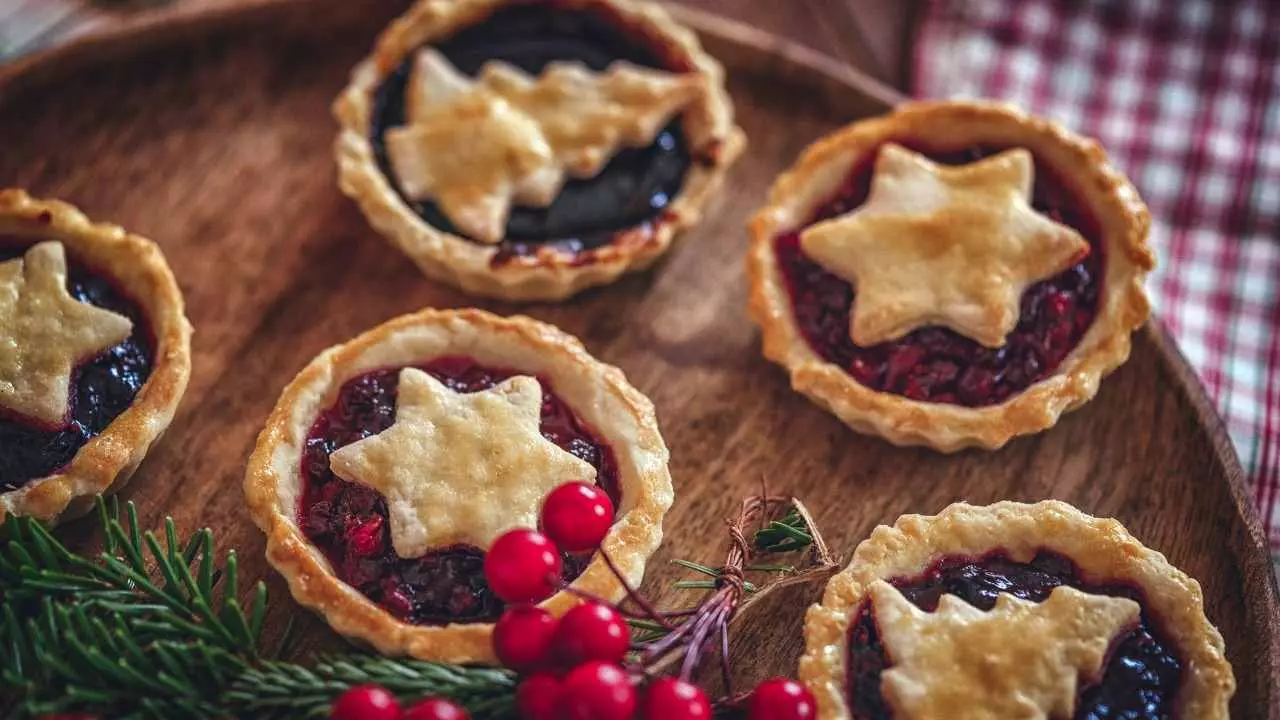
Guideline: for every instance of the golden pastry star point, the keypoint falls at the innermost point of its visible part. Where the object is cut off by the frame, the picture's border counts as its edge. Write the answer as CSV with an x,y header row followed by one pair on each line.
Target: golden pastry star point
x,y
943,245
460,468
45,333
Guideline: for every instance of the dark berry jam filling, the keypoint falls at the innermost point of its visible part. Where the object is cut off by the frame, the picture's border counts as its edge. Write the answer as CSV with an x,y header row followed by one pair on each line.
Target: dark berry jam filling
x,y
101,388
1141,677
348,522
631,191
936,364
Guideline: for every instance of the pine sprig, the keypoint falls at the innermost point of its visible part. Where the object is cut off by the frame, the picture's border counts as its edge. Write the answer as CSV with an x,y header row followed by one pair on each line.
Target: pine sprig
x,y
276,689
170,602
156,629
142,630
75,661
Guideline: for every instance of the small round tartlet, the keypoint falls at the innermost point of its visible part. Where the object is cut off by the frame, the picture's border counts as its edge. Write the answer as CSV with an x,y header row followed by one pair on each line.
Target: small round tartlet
x,y
618,213
121,397
340,547
1045,340
990,570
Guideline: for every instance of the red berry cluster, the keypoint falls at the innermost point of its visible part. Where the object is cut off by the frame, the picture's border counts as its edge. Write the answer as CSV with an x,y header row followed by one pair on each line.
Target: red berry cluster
x,y
573,666
370,702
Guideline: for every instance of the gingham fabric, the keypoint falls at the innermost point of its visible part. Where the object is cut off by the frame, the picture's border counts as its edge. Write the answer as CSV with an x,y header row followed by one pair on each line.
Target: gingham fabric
x,y
1185,97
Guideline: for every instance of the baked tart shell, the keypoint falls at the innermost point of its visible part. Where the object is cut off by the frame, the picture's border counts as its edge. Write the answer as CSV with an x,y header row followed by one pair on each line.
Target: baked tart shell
x,y
1102,549
549,274
136,265
599,394
1123,220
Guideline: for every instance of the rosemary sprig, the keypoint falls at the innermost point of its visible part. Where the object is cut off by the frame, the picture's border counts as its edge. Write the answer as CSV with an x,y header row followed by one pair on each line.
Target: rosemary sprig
x,y
711,572
788,534
154,628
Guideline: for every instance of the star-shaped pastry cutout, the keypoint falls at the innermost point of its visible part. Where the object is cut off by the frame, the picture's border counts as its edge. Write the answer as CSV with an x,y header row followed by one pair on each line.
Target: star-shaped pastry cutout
x,y
1019,660
477,146
45,333
460,468
943,245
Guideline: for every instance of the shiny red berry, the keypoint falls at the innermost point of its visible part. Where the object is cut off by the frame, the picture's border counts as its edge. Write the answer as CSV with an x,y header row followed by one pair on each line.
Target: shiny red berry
x,y
781,699
522,567
597,691
365,702
671,698
538,697
522,637
577,516
591,631
435,709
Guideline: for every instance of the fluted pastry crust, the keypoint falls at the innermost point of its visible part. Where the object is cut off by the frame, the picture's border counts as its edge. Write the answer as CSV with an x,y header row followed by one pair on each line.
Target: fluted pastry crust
x,y
1101,548
1123,305
107,461
549,274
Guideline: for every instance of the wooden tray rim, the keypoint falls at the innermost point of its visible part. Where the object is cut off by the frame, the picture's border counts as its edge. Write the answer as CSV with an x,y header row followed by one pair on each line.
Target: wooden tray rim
x,y
766,53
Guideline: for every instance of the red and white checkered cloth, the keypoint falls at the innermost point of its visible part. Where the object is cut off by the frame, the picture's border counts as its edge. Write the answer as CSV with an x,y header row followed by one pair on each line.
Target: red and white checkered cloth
x,y
1185,97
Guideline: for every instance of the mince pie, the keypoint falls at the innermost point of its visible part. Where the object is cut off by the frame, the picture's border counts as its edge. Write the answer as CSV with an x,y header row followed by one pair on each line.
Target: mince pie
x,y
528,149
952,274
94,356
393,461
1012,611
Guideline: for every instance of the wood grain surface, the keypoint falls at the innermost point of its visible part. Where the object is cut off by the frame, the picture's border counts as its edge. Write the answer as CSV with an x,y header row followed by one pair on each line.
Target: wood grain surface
x,y
212,135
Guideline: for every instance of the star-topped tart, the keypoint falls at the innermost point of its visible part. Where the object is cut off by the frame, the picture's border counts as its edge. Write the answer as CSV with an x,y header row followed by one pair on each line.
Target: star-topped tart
x,y
943,245
1012,611
94,356
45,333
460,468
394,461
477,146
1018,660
956,294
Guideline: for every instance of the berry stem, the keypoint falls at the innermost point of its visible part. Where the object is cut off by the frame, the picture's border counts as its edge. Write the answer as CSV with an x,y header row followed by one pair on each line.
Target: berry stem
x,y
643,614
650,612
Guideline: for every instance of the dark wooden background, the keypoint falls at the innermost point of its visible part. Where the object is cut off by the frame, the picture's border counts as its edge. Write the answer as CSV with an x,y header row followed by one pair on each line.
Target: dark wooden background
x,y
214,139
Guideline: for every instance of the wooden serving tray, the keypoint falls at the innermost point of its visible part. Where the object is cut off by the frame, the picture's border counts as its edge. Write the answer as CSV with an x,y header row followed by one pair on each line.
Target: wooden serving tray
x,y
210,132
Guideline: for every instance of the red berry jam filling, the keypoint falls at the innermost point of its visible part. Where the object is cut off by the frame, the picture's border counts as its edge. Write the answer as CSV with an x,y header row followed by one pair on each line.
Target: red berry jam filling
x,y
936,364
636,185
1141,677
348,522
101,388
